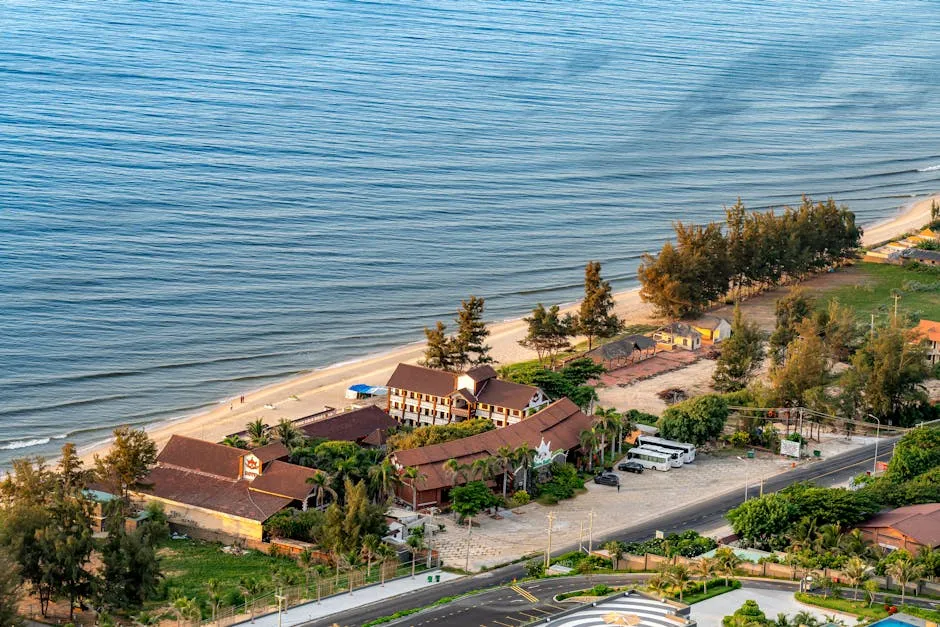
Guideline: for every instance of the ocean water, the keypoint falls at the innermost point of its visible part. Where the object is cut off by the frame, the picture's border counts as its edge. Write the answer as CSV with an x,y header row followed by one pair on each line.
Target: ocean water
x,y
197,198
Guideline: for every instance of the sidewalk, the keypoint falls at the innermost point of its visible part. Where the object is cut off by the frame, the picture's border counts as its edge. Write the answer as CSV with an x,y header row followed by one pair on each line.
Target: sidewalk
x,y
342,602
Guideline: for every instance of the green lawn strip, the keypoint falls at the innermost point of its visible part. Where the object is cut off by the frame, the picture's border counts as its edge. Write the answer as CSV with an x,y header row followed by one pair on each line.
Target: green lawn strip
x,y
873,294
860,608
714,591
415,610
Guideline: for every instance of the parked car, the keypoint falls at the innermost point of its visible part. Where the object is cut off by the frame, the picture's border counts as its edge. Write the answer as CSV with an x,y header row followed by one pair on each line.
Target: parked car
x,y
630,467
607,478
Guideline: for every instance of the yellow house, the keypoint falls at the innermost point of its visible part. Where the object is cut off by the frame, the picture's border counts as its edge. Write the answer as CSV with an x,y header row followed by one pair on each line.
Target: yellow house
x,y
221,489
712,328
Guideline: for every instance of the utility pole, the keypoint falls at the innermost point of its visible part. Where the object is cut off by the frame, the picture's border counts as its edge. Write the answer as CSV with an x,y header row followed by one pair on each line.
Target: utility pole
x,y
548,553
581,538
280,599
762,485
874,466
872,327
466,565
591,533
897,297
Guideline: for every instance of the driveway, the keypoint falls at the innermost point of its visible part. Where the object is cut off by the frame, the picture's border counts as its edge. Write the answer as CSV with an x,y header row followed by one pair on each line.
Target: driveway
x,y
710,612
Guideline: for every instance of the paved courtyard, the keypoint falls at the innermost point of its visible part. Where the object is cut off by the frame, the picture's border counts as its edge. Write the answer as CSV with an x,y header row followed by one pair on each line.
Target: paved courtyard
x,y
709,613
641,498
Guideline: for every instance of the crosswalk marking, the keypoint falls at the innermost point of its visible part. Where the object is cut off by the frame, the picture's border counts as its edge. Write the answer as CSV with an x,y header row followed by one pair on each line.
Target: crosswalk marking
x,y
525,594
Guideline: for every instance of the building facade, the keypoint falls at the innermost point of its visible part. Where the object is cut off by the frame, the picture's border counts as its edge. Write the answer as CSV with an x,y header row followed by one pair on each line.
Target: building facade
x,y
930,331
423,396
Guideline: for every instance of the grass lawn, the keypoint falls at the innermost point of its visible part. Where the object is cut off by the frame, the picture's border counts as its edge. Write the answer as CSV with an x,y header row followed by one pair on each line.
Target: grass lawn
x,y
189,564
872,291
858,608
713,591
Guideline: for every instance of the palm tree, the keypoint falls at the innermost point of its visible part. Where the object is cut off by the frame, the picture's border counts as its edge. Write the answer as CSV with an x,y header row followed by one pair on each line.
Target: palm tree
x,y
214,592
853,543
287,433
483,468
307,563
929,558
904,571
414,475
616,550
871,587
680,578
607,421
383,478
415,543
626,426
828,538
589,442
453,467
504,457
706,568
385,554
370,549
854,571
250,588
322,482
257,433
525,455
235,441
803,534
185,608
659,583
727,563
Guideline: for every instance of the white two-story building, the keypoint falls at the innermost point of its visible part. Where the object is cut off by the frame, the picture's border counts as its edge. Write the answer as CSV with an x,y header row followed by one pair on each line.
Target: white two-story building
x,y
424,396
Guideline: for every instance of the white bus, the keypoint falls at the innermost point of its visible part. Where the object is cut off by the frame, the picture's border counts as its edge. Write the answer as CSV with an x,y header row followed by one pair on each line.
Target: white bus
x,y
649,459
675,457
688,450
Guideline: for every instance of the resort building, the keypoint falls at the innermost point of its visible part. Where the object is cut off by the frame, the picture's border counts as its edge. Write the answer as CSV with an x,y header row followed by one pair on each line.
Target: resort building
x,y
553,432
713,329
365,426
217,491
424,396
930,331
908,528
622,352
678,335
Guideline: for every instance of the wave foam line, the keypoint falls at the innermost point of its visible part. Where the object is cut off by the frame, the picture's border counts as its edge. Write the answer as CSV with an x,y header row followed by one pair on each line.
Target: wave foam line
x,y
930,168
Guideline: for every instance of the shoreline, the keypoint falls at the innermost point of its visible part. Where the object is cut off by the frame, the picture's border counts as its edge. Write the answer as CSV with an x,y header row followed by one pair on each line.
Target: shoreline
x,y
311,391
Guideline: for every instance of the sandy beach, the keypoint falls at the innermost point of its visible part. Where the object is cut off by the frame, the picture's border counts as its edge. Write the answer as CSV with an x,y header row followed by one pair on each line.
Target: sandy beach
x,y
311,392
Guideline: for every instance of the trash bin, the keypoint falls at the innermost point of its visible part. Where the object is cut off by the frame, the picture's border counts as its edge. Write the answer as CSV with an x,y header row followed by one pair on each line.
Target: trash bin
x,y
750,454
817,453
437,579
430,579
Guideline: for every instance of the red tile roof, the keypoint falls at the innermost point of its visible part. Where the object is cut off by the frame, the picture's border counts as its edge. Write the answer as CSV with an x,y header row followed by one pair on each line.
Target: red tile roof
x,y
422,380
560,425
919,522
351,426
270,452
286,480
506,394
202,456
929,329
481,373
212,493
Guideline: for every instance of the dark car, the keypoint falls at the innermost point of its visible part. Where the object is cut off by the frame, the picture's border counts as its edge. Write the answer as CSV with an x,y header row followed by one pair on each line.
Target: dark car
x,y
630,467
607,478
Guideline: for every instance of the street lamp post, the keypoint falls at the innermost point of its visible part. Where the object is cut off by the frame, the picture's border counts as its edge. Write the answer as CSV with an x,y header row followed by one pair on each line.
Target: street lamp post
x,y
280,599
874,466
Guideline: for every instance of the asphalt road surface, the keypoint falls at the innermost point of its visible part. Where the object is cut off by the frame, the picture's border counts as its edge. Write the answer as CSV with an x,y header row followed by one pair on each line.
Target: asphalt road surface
x,y
701,516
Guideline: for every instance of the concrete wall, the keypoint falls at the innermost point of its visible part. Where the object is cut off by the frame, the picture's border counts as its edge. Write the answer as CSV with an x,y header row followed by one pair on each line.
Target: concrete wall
x,y
193,517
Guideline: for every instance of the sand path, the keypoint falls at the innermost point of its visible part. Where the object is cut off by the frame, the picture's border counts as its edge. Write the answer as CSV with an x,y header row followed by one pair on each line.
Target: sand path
x,y
310,392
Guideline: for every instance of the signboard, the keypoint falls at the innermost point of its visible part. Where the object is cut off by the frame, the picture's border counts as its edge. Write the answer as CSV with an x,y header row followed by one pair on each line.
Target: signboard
x,y
251,467
544,454
790,448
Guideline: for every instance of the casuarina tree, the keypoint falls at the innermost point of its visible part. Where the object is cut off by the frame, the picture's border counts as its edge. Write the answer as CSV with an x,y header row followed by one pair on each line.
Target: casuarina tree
x,y
741,355
470,341
595,318
547,333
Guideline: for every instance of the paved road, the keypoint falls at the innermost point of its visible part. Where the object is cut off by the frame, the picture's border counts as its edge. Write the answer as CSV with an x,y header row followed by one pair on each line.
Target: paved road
x,y
703,515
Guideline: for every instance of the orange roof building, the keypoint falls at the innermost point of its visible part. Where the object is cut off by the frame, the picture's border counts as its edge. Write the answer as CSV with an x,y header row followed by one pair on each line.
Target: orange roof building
x,y
930,331
553,433
907,528
225,491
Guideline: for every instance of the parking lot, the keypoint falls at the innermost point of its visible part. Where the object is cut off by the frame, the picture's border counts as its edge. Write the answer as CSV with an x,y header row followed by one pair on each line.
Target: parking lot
x,y
641,498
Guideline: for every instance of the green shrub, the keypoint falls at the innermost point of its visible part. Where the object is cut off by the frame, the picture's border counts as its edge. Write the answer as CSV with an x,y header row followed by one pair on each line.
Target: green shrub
x,y
688,544
521,497
739,439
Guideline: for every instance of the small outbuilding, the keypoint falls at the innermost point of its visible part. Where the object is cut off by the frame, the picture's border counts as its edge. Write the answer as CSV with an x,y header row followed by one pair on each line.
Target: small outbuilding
x,y
678,335
713,329
623,352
